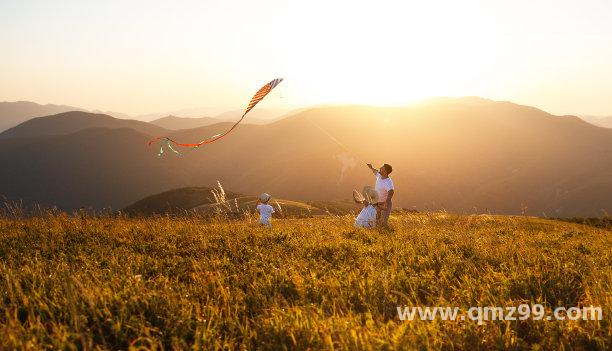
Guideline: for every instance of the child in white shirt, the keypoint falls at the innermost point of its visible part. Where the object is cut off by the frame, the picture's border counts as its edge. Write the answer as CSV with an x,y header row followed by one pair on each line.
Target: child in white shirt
x,y
369,200
265,210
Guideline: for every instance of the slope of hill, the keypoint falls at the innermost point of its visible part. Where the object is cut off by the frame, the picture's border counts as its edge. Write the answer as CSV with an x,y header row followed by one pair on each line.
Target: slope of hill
x,y
13,113
472,155
202,200
174,201
74,121
239,206
96,167
176,123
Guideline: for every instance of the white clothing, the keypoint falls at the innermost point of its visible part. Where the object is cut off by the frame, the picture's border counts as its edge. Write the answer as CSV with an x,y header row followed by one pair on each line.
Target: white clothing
x,y
382,187
265,213
366,218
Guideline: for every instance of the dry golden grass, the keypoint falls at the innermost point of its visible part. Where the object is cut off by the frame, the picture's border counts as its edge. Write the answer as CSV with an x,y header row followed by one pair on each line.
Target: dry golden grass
x,y
79,282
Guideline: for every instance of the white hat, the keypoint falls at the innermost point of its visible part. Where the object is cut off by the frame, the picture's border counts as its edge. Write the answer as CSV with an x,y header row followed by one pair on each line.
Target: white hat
x,y
265,197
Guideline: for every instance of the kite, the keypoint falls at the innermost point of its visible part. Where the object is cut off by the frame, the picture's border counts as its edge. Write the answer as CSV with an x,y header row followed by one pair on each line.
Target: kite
x,y
261,93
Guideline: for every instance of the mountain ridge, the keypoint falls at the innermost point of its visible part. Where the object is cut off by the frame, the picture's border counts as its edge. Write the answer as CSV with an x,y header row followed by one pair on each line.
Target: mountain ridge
x,y
73,121
176,123
462,157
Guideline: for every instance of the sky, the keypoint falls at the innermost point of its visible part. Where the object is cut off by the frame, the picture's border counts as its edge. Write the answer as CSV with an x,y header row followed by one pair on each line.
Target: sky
x,y
140,57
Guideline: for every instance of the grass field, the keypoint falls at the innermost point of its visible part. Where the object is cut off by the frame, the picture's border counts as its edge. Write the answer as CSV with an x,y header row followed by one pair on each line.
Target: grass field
x,y
78,282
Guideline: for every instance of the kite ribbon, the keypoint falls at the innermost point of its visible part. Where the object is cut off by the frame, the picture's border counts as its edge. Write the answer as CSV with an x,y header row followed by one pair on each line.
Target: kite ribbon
x,y
261,93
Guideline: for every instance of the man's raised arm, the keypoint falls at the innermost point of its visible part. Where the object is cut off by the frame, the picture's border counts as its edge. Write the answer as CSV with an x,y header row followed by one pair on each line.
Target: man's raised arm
x,y
374,170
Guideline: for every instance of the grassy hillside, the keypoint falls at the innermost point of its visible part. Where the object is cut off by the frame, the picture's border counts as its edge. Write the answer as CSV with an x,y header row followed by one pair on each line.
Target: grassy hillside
x,y
117,283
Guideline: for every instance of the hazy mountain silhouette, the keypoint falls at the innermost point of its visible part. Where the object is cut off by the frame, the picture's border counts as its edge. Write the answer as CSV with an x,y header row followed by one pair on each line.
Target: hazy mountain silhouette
x,y
176,123
605,122
256,116
13,113
261,115
462,155
73,121
114,114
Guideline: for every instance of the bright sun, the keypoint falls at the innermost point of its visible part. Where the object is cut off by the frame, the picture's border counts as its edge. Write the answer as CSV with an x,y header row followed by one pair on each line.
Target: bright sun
x,y
380,57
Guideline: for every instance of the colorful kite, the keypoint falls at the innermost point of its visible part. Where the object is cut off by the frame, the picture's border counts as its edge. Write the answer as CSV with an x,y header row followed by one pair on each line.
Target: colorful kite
x,y
261,93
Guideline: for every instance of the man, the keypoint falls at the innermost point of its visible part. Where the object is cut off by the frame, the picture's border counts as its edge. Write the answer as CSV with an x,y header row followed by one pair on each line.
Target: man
x,y
384,188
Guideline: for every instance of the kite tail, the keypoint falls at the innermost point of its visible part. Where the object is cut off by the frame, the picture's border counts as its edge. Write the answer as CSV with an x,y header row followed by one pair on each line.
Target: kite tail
x,y
212,139
261,93
168,144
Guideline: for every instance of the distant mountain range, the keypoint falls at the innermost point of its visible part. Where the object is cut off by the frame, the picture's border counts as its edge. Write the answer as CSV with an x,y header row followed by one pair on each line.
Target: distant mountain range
x,y
14,113
461,155
263,116
176,123
74,121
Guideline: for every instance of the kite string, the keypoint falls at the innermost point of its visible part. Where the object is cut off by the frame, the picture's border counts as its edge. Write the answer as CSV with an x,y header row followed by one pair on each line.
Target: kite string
x,y
335,140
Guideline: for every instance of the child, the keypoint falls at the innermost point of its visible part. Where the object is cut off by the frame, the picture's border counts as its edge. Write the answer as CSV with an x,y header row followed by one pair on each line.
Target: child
x,y
369,200
265,210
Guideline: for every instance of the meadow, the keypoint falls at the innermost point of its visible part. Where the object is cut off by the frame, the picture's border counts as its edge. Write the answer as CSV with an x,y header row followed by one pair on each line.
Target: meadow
x,y
112,282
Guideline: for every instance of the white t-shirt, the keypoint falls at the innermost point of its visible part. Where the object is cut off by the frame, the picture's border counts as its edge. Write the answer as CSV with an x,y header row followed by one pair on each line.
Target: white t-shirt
x,y
265,213
382,187
366,218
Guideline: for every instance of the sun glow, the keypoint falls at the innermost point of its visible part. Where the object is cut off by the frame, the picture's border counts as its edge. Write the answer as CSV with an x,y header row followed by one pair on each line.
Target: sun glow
x,y
388,55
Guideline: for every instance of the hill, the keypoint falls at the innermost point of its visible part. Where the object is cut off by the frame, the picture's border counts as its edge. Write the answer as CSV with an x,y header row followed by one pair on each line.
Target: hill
x,y
210,201
96,168
174,201
460,155
14,113
175,123
166,283
74,121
